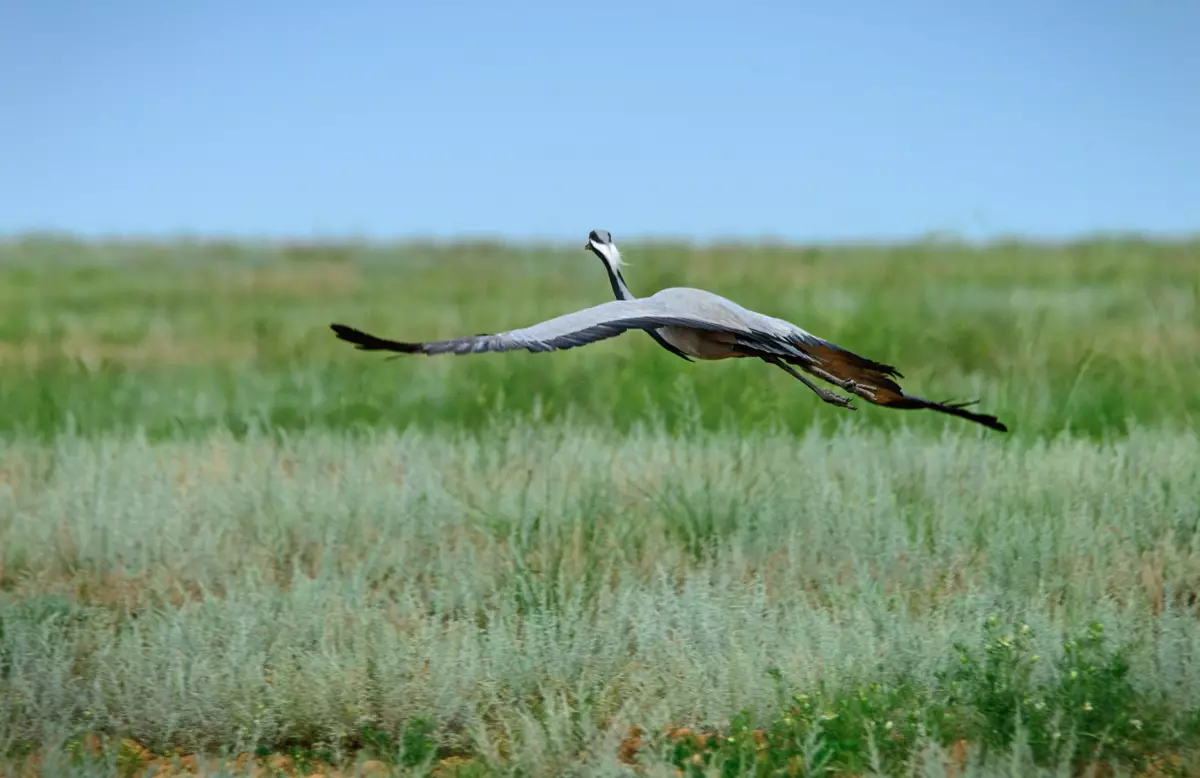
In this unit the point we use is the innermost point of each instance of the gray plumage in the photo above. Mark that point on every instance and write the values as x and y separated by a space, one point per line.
677 307
691 323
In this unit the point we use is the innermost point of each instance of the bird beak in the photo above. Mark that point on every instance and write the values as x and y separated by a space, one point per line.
587 245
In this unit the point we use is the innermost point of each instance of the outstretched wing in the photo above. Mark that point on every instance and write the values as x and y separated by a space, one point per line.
878 379
799 347
757 333
847 365
571 330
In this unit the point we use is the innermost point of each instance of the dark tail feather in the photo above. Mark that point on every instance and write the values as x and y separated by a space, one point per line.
954 409
367 342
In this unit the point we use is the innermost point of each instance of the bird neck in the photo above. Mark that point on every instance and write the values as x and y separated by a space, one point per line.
620 289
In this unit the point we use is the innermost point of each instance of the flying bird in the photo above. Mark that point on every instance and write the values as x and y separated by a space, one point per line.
693 324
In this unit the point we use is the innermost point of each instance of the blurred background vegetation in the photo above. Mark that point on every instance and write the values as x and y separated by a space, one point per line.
188 337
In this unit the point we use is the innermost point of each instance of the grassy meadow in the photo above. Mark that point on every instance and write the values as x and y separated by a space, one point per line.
231 544
186 339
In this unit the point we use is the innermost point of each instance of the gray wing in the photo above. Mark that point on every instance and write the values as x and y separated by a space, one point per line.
763 334
580 328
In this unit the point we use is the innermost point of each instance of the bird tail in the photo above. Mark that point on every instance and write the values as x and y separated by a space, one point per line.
952 408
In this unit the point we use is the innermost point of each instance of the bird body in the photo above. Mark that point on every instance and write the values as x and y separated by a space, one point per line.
692 324
703 344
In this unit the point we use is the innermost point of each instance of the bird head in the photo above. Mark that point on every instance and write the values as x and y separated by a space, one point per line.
600 243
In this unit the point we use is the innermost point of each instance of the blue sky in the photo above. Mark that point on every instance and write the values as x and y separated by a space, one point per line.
796 120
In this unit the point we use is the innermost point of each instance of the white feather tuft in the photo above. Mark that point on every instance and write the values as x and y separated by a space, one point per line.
610 253
614 256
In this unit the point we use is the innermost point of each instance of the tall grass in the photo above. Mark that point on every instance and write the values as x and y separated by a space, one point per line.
224 531
185 339
533 592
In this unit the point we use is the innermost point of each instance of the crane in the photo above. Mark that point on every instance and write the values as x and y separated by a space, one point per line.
692 324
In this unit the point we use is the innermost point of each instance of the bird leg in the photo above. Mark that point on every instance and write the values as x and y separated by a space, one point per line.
847 385
824 394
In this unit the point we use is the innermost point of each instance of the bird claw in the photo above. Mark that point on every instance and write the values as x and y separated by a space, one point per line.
853 387
837 399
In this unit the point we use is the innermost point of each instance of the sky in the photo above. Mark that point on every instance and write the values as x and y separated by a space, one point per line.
697 120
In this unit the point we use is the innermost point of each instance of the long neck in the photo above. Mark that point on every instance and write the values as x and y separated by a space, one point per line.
620 290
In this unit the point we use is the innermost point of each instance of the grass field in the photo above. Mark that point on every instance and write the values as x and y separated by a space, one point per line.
187 339
225 534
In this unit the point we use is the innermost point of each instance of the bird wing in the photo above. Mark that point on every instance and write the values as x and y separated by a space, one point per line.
782 338
759 333
847 365
571 330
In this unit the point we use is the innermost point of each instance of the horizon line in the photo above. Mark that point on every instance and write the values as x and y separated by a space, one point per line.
483 238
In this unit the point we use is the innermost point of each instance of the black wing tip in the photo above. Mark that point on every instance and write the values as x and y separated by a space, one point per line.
991 422
987 420
351 335
345 332
366 342
959 408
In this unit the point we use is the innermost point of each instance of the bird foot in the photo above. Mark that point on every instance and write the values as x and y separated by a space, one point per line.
853 388
838 400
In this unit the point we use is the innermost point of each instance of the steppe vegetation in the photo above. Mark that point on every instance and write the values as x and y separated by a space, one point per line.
231 544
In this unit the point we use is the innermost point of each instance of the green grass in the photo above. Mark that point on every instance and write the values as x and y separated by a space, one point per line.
222 531
1088 337
534 592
